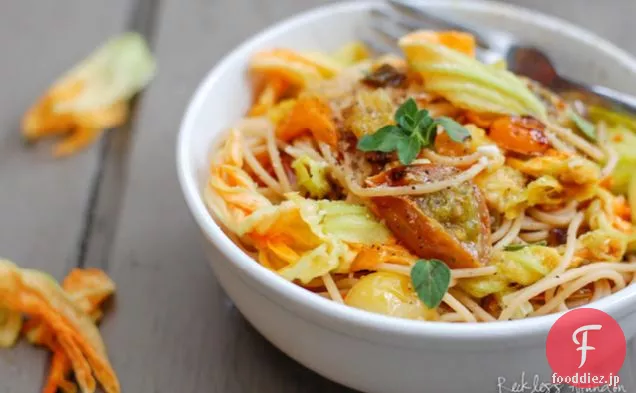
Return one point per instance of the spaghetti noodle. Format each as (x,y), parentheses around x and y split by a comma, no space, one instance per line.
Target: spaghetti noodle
(294,191)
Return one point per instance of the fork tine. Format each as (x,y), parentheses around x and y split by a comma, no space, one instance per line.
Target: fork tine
(390,26)
(408,24)
(390,36)
(416,13)
(386,29)
(380,48)
(393,17)
(378,41)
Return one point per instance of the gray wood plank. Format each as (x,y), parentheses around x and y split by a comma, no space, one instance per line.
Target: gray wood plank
(107,191)
(172,328)
(42,200)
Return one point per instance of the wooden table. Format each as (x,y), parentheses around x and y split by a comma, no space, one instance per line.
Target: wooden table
(118,206)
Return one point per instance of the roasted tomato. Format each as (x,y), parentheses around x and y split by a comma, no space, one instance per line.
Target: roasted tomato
(524,135)
(452,224)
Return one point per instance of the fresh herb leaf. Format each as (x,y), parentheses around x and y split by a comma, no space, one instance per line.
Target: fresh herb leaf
(454,130)
(408,149)
(519,246)
(585,126)
(430,279)
(414,130)
(423,118)
(408,108)
(406,122)
(385,140)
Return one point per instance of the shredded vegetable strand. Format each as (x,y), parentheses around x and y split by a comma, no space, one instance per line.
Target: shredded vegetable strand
(262,174)
(277,164)
(332,288)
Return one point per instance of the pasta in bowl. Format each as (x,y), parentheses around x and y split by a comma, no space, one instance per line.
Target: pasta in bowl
(426,186)
(357,344)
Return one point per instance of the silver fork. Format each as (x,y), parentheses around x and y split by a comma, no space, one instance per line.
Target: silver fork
(493,45)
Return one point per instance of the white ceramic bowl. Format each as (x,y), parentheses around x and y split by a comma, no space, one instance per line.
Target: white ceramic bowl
(370,352)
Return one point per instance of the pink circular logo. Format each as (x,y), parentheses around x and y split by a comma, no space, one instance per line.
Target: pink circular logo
(586,348)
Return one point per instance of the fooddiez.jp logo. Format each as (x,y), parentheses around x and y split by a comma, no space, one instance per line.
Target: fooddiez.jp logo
(586,348)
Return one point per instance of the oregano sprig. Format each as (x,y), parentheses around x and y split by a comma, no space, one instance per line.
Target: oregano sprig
(414,129)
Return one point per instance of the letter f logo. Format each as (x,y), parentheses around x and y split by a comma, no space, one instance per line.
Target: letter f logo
(583,343)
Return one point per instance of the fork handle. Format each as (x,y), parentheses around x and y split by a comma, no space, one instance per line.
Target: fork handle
(612,98)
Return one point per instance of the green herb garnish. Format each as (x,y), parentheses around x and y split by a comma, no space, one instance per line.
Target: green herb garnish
(582,124)
(413,130)
(519,246)
(430,279)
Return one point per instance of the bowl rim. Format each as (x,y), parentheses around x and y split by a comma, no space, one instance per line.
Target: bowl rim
(616,304)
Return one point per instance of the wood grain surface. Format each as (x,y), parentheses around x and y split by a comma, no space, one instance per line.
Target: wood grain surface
(193,340)
(171,328)
(43,201)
